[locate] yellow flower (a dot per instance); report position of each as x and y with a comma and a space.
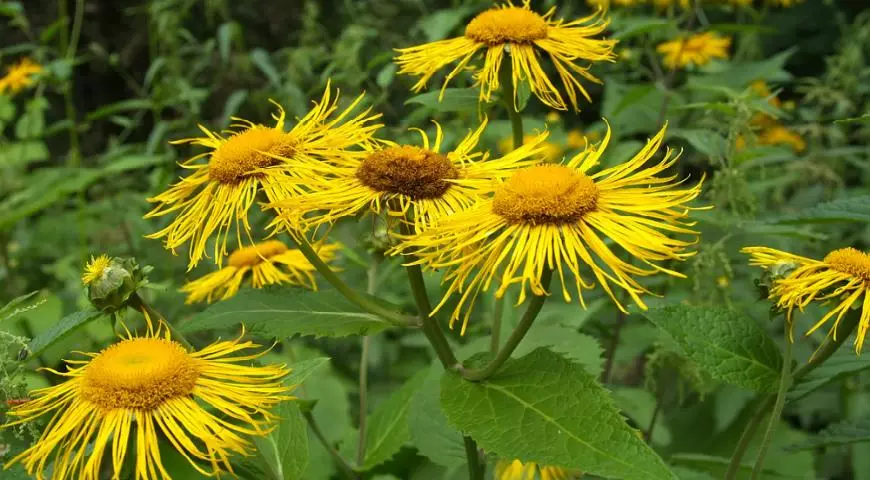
206, 403
251, 159
553, 117
577, 139
523, 35
695, 50
516, 470
780, 135
842, 277
19, 76
404, 181
95, 269
263, 263
552, 217
550, 151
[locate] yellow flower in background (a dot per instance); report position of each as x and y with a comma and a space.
419, 184
266, 263
578, 139
695, 50
551, 152
553, 117
19, 76
516, 470
524, 36
772, 132
559, 217
95, 269
206, 403
250, 159
780, 135
842, 277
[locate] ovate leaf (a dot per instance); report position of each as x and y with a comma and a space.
301, 370
543, 408
388, 424
287, 312
838, 434
454, 100
283, 454
727, 344
62, 329
430, 432
840, 365
851, 209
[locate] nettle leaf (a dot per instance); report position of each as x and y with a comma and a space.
842, 364
430, 432
727, 344
843, 433
578, 347
287, 312
283, 454
388, 424
543, 408
851, 209
61, 330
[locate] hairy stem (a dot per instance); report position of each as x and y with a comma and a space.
784, 384
535, 305
476, 468
431, 328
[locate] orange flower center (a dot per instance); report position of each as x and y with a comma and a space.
242, 154
851, 261
543, 194
254, 255
139, 374
407, 170
498, 26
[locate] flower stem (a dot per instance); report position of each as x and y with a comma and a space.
476, 468
371, 274
137, 303
823, 353
508, 93
785, 381
361, 301
345, 467
535, 305
431, 328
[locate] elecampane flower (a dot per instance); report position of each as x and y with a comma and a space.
780, 135
419, 184
516, 470
250, 159
695, 50
19, 76
842, 277
558, 217
265, 263
205, 403
523, 35
95, 269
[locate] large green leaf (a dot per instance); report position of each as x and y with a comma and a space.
283, 453
838, 434
545, 409
727, 344
61, 330
301, 370
288, 312
388, 424
430, 432
454, 100
850, 209
578, 347
844, 363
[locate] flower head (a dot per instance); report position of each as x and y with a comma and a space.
842, 277
420, 184
523, 35
553, 217
95, 269
265, 263
250, 159
206, 403
516, 470
695, 50
19, 76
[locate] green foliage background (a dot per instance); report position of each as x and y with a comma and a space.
82, 150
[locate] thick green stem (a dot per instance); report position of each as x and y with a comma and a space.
495, 336
823, 353
535, 305
139, 304
784, 384
431, 328
476, 468
345, 467
507, 95
355, 297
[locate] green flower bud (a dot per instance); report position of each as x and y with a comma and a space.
111, 281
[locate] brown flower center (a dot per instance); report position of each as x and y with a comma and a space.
242, 154
407, 170
543, 194
851, 261
498, 26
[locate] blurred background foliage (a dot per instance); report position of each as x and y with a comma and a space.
84, 146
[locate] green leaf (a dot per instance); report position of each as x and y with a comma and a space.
705, 141
849, 209
388, 424
62, 329
455, 100
524, 91
284, 313
261, 59
543, 408
842, 364
284, 452
301, 370
843, 433
7, 311
739, 75
19, 154
131, 104
580, 348
727, 344
430, 432
638, 25
639, 405
439, 24
226, 32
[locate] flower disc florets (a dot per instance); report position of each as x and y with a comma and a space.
244, 153
546, 194
507, 25
851, 261
407, 170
